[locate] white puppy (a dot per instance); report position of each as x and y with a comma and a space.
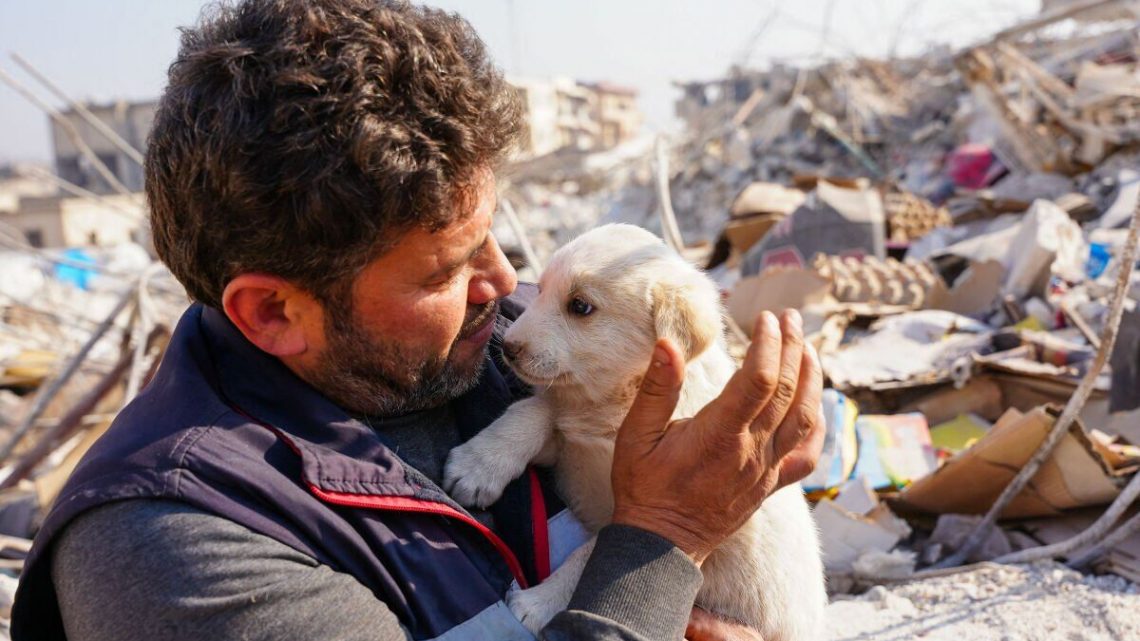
584, 345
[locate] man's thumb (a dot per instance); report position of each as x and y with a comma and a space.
659, 392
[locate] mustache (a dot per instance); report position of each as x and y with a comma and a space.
478, 318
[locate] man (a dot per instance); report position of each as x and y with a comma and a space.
321, 179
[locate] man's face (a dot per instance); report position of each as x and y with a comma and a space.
422, 317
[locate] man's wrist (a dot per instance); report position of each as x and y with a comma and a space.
668, 526
638, 580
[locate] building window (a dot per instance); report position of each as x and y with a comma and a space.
35, 237
69, 170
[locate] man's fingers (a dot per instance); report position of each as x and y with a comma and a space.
749, 389
799, 441
791, 356
659, 392
705, 626
803, 409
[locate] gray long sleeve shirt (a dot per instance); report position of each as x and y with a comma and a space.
159, 570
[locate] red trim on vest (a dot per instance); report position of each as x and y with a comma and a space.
399, 504
540, 527
409, 504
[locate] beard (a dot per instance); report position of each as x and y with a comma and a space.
373, 377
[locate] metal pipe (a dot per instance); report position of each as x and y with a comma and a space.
669, 229
520, 234
69, 130
110, 134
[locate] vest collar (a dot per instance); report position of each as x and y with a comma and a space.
339, 453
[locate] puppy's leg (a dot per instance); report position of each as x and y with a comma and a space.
477, 471
538, 605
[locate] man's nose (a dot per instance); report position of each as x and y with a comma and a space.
496, 277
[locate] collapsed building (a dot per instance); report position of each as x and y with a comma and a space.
957, 229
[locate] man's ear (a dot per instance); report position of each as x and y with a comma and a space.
687, 310
272, 313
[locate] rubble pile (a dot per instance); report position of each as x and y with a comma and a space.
992, 603
952, 228
80, 332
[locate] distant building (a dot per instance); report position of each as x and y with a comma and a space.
131, 120
64, 221
616, 113
20, 181
562, 113
48, 215
30, 207
720, 98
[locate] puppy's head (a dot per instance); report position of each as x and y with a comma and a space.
603, 301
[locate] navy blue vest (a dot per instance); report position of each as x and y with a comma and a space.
228, 429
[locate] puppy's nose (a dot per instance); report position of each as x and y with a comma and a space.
511, 350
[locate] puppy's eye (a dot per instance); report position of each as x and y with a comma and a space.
579, 307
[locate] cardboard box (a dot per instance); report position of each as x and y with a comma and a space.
1076, 475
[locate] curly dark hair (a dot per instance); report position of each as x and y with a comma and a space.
302, 138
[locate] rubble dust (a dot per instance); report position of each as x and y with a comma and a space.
1039, 602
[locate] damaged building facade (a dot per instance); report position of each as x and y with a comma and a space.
94, 195
562, 113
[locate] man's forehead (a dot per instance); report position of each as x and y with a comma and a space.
476, 200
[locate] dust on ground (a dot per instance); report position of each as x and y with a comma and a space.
1039, 602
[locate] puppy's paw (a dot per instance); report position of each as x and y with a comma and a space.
535, 607
475, 476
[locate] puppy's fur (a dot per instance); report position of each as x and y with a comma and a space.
584, 344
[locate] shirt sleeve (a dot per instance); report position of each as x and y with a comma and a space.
158, 570
152, 570
636, 586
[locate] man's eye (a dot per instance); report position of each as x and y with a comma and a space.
579, 307
445, 281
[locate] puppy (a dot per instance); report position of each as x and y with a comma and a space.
584, 345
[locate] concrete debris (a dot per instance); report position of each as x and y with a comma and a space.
951, 226
845, 537
1038, 602
951, 531
875, 566
922, 347
834, 219
951, 229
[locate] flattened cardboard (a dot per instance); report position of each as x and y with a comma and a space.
981, 396
743, 233
1025, 392
766, 198
775, 290
1076, 475
975, 291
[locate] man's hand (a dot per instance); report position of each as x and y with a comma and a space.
696, 481
706, 626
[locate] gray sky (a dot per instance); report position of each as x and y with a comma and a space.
109, 49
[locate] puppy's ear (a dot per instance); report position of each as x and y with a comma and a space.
687, 310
